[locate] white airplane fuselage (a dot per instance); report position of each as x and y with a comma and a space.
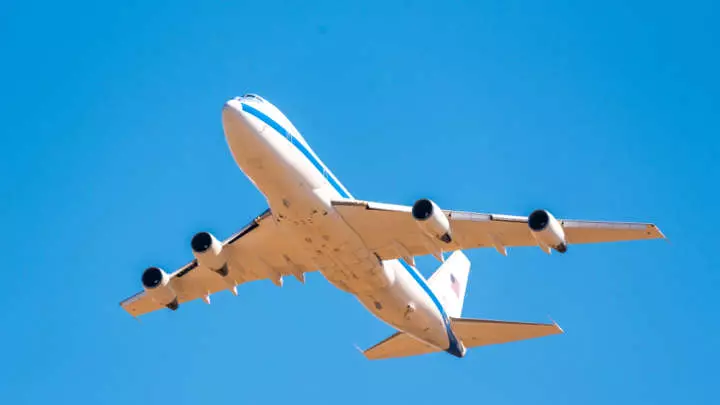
299, 189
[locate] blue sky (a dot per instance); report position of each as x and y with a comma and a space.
113, 156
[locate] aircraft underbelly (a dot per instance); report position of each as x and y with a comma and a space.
407, 308
299, 196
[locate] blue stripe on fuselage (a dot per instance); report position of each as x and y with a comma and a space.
454, 347
299, 145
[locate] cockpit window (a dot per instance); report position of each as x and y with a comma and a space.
253, 97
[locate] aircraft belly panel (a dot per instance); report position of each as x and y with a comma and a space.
408, 310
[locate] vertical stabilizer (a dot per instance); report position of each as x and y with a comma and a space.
449, 283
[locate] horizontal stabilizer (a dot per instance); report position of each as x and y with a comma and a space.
482, 332
471, 332
398, 345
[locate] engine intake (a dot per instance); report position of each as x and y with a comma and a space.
201, 242
547, 230
432, 220
209, 252
538, 220
422, 209
153, 278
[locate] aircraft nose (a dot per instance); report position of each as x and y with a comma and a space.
233, 113
241, 112
237, 121
233, 106
233, 117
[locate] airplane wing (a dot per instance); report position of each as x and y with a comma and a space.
258, 251
392, 231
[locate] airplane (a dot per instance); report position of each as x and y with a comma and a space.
364, 248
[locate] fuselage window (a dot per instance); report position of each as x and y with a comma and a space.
254, 97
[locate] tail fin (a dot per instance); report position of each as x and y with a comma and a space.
449, 283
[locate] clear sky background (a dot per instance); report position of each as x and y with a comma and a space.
113, 156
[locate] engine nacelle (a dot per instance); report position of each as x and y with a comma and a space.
209, 252
547, 230
432, 220
156, 283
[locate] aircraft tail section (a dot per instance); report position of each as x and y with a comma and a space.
471, 332
449, 283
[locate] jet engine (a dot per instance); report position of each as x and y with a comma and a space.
209, 252
432, 220
547, 230
156, 283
